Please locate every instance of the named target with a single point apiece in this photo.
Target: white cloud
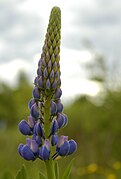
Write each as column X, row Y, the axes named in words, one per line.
column 23, row 26
column 9, row 71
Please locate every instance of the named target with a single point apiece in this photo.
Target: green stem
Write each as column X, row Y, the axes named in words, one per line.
column 47, row 116
column 50, row 169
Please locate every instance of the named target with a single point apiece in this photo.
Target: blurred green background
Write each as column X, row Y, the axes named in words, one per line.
column 94, row 122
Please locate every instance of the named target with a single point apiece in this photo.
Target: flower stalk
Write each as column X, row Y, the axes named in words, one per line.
column 46, row 110
column 50, row 169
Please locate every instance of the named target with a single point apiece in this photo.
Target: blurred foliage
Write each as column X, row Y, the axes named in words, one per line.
column 14, row 101
column 95, row 126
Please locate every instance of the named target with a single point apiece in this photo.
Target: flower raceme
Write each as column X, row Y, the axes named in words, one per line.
column 46, row 110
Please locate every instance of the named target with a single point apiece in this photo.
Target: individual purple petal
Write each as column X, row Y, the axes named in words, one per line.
column 58, row 93
column 64, row 149
column 45, row 73
column 52, row 74
column 28, row 142
column 36, row 93
column 54, row 85
column 39, row 71
column 44, row 153
column 38, row 139
column 54, row 139
column 34, row 146
column 65, row 120
column 47, row 144
column 48, row 84
column 20, row 148
column 36, row 80
column 24, row 128
column 60, row 120
column 31, row 121
column 27, row 153
column 34, row 111
column 54, row 127
column 61, row 140
column 53, row 108
column 45, row 150
column 31, row 102
column 40, row 82
column 59, row 106
column 39, row 130
column 73, row 146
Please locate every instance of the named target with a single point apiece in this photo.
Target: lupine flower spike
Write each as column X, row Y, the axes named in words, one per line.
column 46, row 110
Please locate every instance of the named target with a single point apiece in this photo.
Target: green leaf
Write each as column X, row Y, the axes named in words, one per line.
column 57, row 170
column 22, row 174
column 41, row 176
column 68, row 170
column 7, row 175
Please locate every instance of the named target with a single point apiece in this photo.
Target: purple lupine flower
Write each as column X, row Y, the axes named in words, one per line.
column 59, row 106
column 26, row 152
column 39, row 130
column 48, row 84
column 73, row 146
column 61, row 140
column 58, row 93
column 44, row 151
column 63, row 150
column 36, row 93
column 39, row 71
column 53, row 108
column 45, row 74
column 38, row 139
column 31, row 102
column 65, row 120
column 40, row 82
column 29, row 151
column 36, row 80
column 52, row 74
column 54, row 84
column 54, row 127
column 54, row 139
column 34, row 111
column 62, row 120
column 25, row 128
column 32, row 144
column 20, row 148
column 46, row 100
column 31, row 122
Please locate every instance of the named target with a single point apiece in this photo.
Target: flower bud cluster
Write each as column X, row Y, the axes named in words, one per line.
column 45, row 106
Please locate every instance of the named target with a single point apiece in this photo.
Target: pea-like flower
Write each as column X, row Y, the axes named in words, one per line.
column 38, row 130
column 54, row 127
column 44, row 152
column 65, row 147
column 25, row 128
column 29, row 151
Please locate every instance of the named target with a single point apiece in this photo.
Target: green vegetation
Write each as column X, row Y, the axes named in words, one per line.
column 96, row 128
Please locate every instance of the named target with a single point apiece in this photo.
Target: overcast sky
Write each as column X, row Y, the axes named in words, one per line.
column 23, row 26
